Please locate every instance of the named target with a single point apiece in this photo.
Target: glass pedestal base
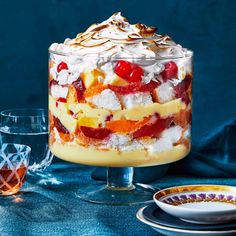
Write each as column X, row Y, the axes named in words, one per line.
column 103, row 194
column 119, row 189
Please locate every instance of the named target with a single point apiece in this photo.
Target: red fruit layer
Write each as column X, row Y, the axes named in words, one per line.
column 96, row 133
column 129, row 71
column 149, row 86
column 170, row 70
column 153, row 129
column 62, row 66
column 80, row 88
column 182, row 87
column 60, row 127
column 134, row 87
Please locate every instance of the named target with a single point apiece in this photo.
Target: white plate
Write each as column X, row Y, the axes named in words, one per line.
column 201, row 204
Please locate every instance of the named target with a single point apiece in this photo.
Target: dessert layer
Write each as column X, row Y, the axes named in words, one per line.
column 136, row 113
column 113, row 158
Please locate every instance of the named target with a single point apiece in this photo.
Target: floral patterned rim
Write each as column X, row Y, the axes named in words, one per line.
column 201, row 197
column 207, row 193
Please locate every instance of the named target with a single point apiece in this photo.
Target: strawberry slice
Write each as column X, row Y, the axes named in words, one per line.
column 80, row 88
column 153, row 129
column 149, row 86
column 170, row 71
column 96, row 133
column 60, row 127
column 134, row 87
column 182, row 87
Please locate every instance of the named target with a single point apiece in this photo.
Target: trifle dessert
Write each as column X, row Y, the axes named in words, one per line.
column 119, row 96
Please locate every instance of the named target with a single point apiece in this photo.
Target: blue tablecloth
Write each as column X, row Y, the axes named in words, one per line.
column 55, row 210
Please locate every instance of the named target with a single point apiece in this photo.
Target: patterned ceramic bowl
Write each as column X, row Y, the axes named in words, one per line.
column 201, row 204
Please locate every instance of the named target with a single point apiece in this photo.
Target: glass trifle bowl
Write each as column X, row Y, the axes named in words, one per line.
column 119, row 109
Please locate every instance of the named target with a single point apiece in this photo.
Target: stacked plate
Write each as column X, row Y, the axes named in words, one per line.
column 192, row 210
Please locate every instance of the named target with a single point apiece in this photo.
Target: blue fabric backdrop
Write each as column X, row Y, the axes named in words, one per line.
column 208, row 27
column 28, row 27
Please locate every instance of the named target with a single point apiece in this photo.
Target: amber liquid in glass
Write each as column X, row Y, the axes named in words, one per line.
column 11, row 180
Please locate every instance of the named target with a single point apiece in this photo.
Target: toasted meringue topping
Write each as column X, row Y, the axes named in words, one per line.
column 117, row 38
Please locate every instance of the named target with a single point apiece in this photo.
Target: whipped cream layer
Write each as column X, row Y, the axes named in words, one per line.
column 117, row 38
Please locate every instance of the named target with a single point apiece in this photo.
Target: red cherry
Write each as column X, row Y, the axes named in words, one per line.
column 170, row 71
column 79, row 87
column 62, row 66
column 60, row 127
column 96, row 133
column 153, row 129
column 136, row 74
column 123, row 69
column 129, row 71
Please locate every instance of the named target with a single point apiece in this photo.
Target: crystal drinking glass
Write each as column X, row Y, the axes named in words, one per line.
column 14, row 160
column 29, row 127
column 99, row 118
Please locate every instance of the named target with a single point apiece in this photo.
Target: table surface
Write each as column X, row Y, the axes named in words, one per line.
column 53, row 209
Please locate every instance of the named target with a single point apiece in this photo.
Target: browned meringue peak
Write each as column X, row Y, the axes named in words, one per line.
column 117, row 37
column 116, row 29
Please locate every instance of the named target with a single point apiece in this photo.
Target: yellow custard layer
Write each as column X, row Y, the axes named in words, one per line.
column 136, row 113
column 112, row 158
